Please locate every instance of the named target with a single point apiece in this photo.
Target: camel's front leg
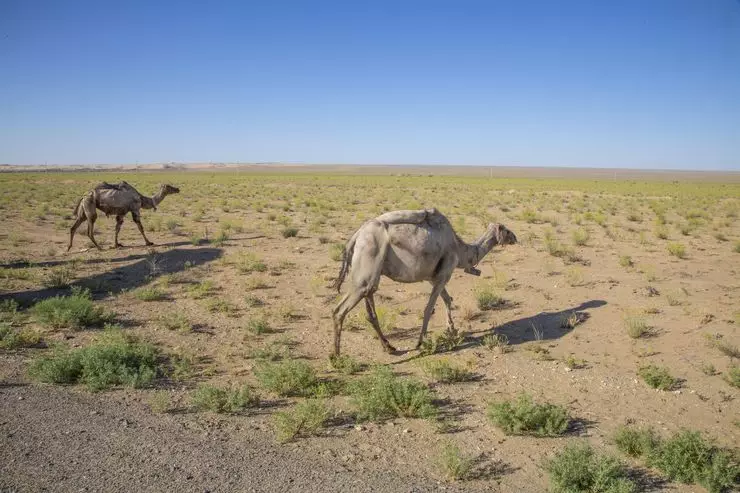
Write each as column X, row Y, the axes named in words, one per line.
column 372, row 316
column 436, row 290
column 78, row 222
column 137, row 219
column 448, row 305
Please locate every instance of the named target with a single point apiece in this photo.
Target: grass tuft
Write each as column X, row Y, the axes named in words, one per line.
column 382, row 395
column 287, row 378
column 456, row 465
column 116, row 359
column 442, row 371
column 305, row 418
column 224, row 400
column 678, row 250
column 76, row 311
column 524, row 417
column 578, row 468
column 658, row 377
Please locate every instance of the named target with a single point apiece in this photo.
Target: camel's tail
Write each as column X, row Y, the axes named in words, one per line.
column 77, row 207
column 349, row 249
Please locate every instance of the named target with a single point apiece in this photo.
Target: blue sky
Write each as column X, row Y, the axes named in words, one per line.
column 630, row 83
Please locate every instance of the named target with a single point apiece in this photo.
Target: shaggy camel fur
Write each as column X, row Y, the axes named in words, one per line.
column 408, row 246
column 115, row 199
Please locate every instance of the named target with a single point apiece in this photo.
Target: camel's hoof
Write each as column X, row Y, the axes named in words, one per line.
column 149, row 243
column 118, row 245
column 389, row 349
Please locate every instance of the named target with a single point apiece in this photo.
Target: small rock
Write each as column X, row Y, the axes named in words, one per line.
column 359, row 428
column 406, row 430
column 677, row 392
column 21, row 398
column 567, row 369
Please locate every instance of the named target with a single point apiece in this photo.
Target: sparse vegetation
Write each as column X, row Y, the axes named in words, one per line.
column 14, row 339
column 76, row 311
column 496, row 341
column 345, row 364
column 176, row 321
column 224, row 400
column 678, row 250
column 382, row 395
column 456, row 465
column 488, row 297
column 287, row 378
column 150, row 293
column 580, row 237
column 578, row 468
column 305, row 418
column 443, row 371
column 115, row 359
column 686, row 457
column 637, row 327
column 657, row 377
column 525, row 417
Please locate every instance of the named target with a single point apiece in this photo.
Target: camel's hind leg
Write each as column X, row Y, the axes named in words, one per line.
column 119, row 223
column 372, row 316
column 80, row 219
column 348, row 302
column 88, row 209
column 365, row 271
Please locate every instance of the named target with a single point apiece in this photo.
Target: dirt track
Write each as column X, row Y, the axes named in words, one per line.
column 59, row 439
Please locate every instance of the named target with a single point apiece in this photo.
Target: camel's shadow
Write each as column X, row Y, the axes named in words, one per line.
column 544, row 326
column 126, row 277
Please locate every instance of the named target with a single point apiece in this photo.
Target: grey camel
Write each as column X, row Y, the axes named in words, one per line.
column 118, row 200
column 408, row 246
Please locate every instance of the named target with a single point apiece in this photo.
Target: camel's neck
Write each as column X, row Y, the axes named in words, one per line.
column 158, row 197
column 471, row 254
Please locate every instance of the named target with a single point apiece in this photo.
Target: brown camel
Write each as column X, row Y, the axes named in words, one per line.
column 115, row 199
column 408, row 246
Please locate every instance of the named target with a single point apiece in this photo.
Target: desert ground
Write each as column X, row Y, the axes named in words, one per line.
column 618, row 284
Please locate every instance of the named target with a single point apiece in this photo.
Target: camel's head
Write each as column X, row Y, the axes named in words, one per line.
column 168, row 189
column 503, row 235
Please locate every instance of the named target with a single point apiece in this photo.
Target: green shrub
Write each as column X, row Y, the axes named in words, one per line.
column 249, row 263
column 305, row 418
column 382, row 395
column 345, row 364
column 289, row 232
column 456, row 465
column 580, row 237
column 626, row 261
column 116, row 359
column 336, row 252
column 736, row 248
column 733, row 376
column 488, row 298
column 637, row 327
column 636, row 442
column 258, row 326
column 657, row 377
column 59, row 278
column 677, row 250
column 524, row 417
column 176, row 321
column 578, row 468
column 496, row 341
column 75, row 311
column 151, row 293
column 442, row 371
column 221, row 400
column 287, row 378
column 446, row 341
column 14, row 339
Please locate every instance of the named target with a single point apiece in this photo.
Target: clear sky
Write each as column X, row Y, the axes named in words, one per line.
column 625, row 83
